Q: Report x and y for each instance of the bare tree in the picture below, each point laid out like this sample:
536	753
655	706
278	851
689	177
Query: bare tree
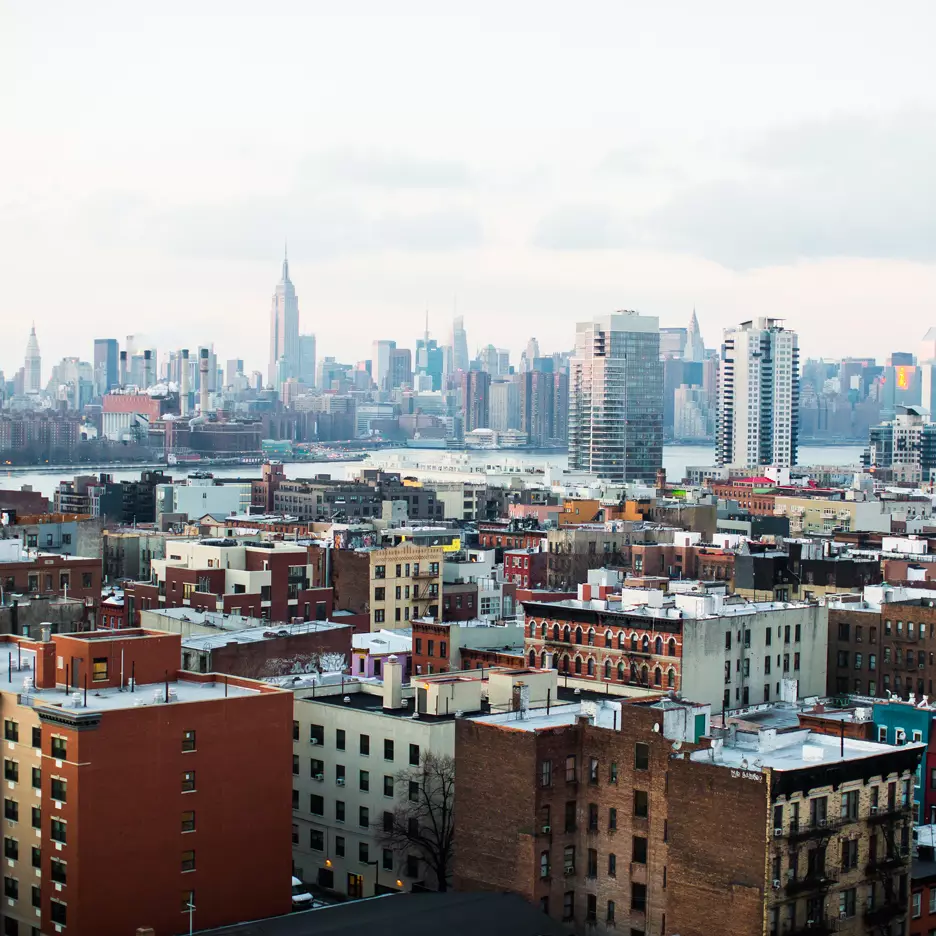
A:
425	821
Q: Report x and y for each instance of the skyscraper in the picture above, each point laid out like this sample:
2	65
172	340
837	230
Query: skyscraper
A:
33	365
105	364
307	360
380	368
284	328
758	395
616	398
475	400
460	359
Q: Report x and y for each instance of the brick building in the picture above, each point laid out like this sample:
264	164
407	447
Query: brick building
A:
459	601
579	821
510	534
441	646
208	762
264	580
25	572
728	652
526	568
756	495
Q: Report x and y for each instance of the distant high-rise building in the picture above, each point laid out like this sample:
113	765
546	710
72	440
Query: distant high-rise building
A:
544	405
400	371
694	349
307	360
758	395
233	367
33	364
105	364
616	398
475	400
284	328
504	407
380	367
460	359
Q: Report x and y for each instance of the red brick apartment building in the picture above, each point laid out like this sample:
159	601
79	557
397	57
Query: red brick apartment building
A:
777	833
526	568
30	572
510	535
121	806
263	580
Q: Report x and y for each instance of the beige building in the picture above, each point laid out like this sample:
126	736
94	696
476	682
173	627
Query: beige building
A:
822	515
394	584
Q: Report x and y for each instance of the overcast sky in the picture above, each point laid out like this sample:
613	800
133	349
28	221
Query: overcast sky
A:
534	162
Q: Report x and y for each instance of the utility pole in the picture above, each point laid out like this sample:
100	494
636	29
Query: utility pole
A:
191	910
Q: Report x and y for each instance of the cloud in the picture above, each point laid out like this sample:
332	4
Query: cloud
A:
849	187
380	169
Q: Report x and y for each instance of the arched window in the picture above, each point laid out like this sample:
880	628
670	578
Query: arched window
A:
532	658
532	628
543	660
609	639
645	675
555	631
578	666
544	630
658	677
567	634
671	647
633	641
544	864
658	646
607	669
620	640
578	635
645	644
591	636
591	667
565	663
671	678
620	672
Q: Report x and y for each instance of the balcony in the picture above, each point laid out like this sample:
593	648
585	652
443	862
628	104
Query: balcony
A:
814	829
424	574
887	862
883	914
816	881
890	813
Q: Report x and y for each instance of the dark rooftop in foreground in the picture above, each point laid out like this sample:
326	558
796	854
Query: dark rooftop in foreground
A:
451	913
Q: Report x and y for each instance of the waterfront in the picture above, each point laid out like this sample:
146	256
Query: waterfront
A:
675	460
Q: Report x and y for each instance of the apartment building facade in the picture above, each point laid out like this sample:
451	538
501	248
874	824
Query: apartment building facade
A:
82	714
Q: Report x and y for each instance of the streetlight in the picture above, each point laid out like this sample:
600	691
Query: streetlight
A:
190	905
376	865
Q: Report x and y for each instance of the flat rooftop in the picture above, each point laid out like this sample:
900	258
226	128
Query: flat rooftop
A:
257	634
19	680
384	641
607	714
793	750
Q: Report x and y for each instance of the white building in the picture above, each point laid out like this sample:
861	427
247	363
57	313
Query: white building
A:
504	404
616	398
284	328
758	395
200	496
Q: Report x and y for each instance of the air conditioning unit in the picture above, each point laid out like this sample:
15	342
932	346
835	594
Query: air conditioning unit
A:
313	740
778	833
569	870
874	810
823	822
340	781
843	914
547	829
320	777
776	884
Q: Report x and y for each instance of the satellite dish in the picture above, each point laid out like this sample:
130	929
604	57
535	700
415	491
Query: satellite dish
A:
656	727
677	745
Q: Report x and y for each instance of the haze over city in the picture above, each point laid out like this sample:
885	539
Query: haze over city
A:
528	165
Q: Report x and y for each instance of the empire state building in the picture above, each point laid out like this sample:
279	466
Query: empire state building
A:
284	331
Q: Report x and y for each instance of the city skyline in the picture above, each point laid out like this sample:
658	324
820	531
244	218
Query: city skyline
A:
470	197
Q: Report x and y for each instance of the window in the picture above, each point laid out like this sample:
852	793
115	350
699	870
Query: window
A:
364	781
546	773
544	864
295	834
591	908
849	854
11	888
316	804
414	755
387	785
316	840
339	811
847	903
612	819
10	848
593	770
59	871
188	821
59	912
592	870
641	756
365	745
363	852
917	905
11	730
613	773
36	737
612	865
11	770
59	789
11	809
188	740
638	897
568	906
317	734
59	831
850	805
568	859
641	804
340	774
639	855
295	765
570	816
610	917
413	791
339	739
59	748
412	866
339	846
387	859
592	817
388	749
99	669
363	817
188	781
36	817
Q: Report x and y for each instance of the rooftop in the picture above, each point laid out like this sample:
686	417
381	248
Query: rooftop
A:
257	634
384	641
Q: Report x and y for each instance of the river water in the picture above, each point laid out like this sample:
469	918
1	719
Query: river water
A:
675	460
